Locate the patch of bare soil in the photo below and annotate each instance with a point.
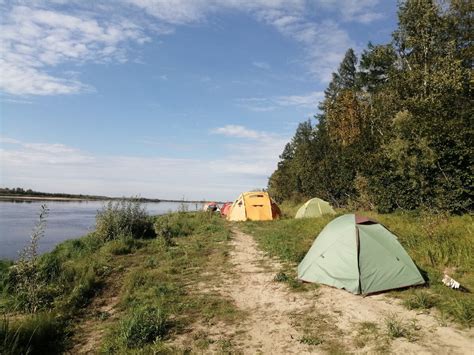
(91, 327)
(280, 321)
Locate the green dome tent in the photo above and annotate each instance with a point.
(360, 256)
(314, 208)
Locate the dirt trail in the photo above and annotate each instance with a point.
(96, 319)
(269, 325)
(92, 325)
(276, 314)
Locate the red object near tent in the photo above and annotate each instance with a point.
(225, 210)
(211, 206)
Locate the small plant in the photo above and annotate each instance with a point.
(463, 310)
(281, 277)
(310, 340)
(397, 328)
(143, 326)
(420, 300)
(28, 284)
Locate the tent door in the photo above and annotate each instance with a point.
(358, 255)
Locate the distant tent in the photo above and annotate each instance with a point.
(211, 207)
(360, 256)
(314, 208)
(226, 207)
(254, 206)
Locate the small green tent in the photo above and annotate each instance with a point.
(360, 256)
(314, 208)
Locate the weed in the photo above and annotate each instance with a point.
(281, 277)
(28, 285)
(463, 310)
(202, 340)
(310, 340)
(397, 328)
(35, 334)
(142, 326)
(420, 299)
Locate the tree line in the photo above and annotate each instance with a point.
(394, 130)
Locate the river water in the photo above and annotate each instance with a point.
(66, 220)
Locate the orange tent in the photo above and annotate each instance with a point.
(254, 206)
(225, 210)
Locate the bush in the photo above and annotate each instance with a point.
(123, 218)
(144, 325)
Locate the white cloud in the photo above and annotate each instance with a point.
(325, 42)
(309, 100)
(239, 132)
(354, 10)
(257, 104)
(59, 168)
(260, 104)
(34, 40)
(261, 65)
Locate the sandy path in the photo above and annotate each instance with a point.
(269, 305)
(271, 326)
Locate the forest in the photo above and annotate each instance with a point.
(394, 131)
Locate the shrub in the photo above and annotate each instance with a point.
(125, 217)
(143, 325)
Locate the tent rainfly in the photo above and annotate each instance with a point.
(254, 206)
(360, 256)
(225, 210)
(314, 208)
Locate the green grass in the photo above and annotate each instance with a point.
(156, 300)
(167, 280)
(399, 328)
(435, 242)
(39, 333)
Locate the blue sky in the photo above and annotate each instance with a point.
(166, 99)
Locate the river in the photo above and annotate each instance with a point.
(66, 220)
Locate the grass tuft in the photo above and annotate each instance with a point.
(142, 326)
(420, 299)
(398, 328)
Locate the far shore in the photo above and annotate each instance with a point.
(78, 199)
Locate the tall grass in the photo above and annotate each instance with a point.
(40, 333)
(57, 285)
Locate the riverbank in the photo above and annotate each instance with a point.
(192, 282)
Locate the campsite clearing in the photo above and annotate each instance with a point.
(323, 319)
